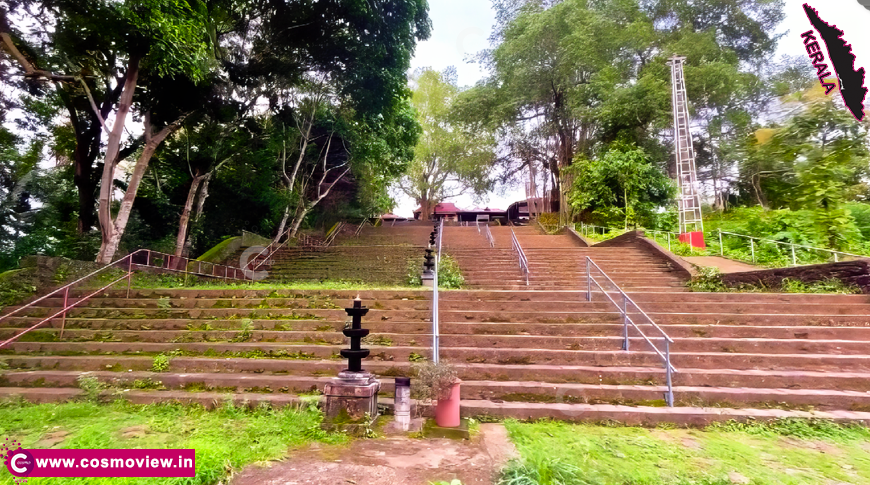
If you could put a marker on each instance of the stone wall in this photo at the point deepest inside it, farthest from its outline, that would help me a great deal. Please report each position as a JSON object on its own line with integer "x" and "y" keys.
{"x": 855, "y": 272}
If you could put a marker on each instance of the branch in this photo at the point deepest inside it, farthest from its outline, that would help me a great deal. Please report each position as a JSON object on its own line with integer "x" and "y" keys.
{"x": 29, "y": 70}
{"x": 94, "y": 106}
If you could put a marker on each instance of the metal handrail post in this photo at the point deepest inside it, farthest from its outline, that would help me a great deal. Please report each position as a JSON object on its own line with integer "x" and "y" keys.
{"x": 793, "y": 256}
{"x": 669, "y": 241}
{"x": 588, "y": 282}
{"x": 129, "y": 273}
{"x": 721, "y": 247}
{"x": 669, "y": 397}
{"x": 752, "y": 248}
{"x": 63, "y": 317}
{"x": 623, "y": 309}
{"x": 625, "y": 322}
{"x": 435, "y": 330}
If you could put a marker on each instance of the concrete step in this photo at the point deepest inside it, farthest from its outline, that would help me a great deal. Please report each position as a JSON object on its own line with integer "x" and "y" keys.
{"x": 209, "y": 400}
{"x": 641, "y": 357}
{"x": 644, "y": 415}
{"x": 511, "y": 391}
{"x": 766, "y": 344}
{"x": 554, "y": 374}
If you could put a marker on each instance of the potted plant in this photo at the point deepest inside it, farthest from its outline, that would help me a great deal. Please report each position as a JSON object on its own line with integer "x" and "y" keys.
{"x": 440, "y": 382}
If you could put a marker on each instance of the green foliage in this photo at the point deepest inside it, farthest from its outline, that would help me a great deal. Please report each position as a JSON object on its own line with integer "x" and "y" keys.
{"x": 541, "y": 470}
{"x": 433, "y": 381}
{"x": 548, "y": 218}
{"x": 450, "y": 157}
{"x": 806, "y": 429}
{"x": 621, "y": 180}
{"x": 15, "y": 287}
{"x": 816, "y": 161}
{"x": 782, "y": 451}
{"x": 160, "y": 363}
{"x": 832, "y": 285}
{"x": 449, "y": 275}
{"x": 708, "y": 280}
{"x": 91, "y": 386}
{"x": 246, "y": 332}
{"x": 227, "y": 439}
{"x": 414, "y": 269}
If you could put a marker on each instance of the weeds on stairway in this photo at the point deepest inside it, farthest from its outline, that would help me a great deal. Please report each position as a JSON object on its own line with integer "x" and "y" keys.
{"x": 226, "y": 439}
{"x": 91, "y": 387}
{"x": 709, "y": 279}
{"x": 832, "y": 285}
{"x": 247, "y": 331}
{"x": 160, "y": 363}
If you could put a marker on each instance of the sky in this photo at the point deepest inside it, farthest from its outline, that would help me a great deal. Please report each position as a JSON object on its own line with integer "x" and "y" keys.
{"x": 461, "y": 28}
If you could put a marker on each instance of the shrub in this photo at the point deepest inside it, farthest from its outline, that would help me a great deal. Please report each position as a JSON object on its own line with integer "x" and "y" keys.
{"x": 434, "y": 381}
{"x": 160, "y": 363}
{"x": 91, "y": 386}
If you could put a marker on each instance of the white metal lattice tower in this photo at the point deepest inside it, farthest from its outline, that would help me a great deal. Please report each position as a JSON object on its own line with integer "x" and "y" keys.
{"x": 689, "y": 203}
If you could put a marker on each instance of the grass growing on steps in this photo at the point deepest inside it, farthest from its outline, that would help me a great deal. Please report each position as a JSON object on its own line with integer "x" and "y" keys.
{"x": 710, "y": 280}
{"x": 787, "y": 452}
{"x": 225, "y": 439}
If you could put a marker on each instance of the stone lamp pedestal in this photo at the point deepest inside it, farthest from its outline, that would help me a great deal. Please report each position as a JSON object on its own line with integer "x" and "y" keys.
{"x": 352, "y": 397}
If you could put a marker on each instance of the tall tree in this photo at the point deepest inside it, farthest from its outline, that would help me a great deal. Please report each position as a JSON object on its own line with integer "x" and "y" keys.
{"x": 451, "y": 158}
{"x": 569, "y": 78}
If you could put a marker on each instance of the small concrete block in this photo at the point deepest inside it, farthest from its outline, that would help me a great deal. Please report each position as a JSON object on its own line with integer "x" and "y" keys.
{"x": 393, "y": 427}
{"x": 461, "y": 432}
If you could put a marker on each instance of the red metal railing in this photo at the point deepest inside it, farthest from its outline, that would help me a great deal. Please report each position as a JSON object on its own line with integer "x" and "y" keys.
{"x": 142, "y": 258}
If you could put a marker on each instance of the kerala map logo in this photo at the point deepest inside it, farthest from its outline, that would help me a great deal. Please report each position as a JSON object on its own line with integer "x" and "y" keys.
{"x": 849, "y": 79}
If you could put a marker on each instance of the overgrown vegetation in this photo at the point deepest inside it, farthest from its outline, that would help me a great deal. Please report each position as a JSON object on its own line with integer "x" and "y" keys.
{"x": 789, "y": 451}
{"x": 709, "y": 279}
{"x": 225, "y": 439}
{"x": 449, "y": 274}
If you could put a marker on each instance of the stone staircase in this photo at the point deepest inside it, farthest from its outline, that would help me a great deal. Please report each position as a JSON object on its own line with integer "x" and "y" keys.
{"x": 526, "y": 352}
{"x": 378, "y": 255}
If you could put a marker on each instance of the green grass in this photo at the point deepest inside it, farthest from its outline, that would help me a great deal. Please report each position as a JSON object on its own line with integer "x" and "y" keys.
{"x": 143, "y": 282}
{"x": 710, "y": 280}
{"x": 225, "y": 439}
{"x": 787, "y": 452}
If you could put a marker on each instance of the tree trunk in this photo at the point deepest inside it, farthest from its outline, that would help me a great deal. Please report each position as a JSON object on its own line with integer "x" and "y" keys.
{"x": 283, "y": 224}
{"x": 107, "y": 249}
{"x": 297, "y": 221}
{"x": 109, "y": 241}
{"x": 185, "y": 215}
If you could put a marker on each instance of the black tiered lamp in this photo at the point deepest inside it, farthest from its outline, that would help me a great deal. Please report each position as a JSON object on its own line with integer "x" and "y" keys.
{"x": 355, "y": 354}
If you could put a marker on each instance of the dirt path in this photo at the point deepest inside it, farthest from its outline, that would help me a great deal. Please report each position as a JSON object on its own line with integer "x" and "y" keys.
{"x": 391, "y": 461}
{"x": 725, "y": 265}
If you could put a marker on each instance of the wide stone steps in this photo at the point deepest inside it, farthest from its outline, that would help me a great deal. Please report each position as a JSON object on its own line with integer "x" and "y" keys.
{"x": 504, "y": 391}
{"x": 531, "y": 343}
{"x": 630, "y": 415}
{"x": 554, "y": 374}
{"x": 522, "y": 351}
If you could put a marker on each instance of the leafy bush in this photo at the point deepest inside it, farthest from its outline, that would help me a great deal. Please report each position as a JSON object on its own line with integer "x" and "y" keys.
{"x": 414, "y": 269}
{"x": 160, "y": 363}
{"x": 91, "y": 386}
{"x": 548, "y": 218}
{"x": 708, "y": 280}
{"x": 434, "y": 381}
{"x": 449, "y": 275}
{"x": 832, "y": 285}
